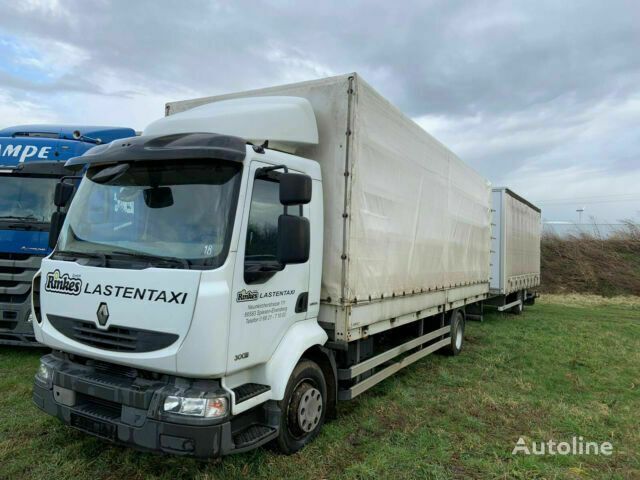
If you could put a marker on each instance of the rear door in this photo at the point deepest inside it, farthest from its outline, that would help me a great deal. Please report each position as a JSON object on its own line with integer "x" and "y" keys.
{"x": 263, "y": 304}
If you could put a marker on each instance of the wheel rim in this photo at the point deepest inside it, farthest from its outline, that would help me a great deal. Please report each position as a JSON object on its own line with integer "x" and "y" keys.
{"x": 458, "y": 337}
{"x": 309, "y": 409}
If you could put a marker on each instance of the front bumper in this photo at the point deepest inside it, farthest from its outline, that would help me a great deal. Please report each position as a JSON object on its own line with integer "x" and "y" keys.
{"x": 110, "y": 402}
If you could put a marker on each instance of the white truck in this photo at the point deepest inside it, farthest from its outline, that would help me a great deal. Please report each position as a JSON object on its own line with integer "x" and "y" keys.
{"x": 224, "y": 279}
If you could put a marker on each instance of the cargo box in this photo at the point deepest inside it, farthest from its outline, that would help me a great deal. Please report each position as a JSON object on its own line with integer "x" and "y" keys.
{"x": 407, "y": 223}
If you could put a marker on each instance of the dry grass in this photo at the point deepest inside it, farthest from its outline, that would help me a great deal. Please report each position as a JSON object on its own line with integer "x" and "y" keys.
{"x": 587, "y": 263}
{"x": 588, "y": 300}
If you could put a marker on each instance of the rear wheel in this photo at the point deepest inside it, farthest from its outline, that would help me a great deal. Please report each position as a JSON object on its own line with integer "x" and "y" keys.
{"x": 303, "y": 407}
{"x": 457, "y": 333}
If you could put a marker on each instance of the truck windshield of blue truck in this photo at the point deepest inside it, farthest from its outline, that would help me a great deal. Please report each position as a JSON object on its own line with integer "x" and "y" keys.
{"x": 26, "y": 198}
{"x": 181, "y": 210}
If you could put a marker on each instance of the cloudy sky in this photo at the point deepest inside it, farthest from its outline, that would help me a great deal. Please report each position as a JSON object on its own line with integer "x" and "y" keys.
{"x": 542, "y": 96}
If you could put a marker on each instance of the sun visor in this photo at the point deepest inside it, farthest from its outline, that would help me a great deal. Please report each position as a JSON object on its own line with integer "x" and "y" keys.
{"x": 165, "y": 147}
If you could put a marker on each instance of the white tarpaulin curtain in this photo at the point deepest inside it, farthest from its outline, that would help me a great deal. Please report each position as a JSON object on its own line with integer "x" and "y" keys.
{"x": 420, "y": 217}
{"x": 523, "y": 230}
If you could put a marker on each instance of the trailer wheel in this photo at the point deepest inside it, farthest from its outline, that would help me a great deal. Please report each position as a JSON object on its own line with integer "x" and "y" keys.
{"x": 530, "y": 300}
{"x": 517, "y": 310}
{"x": 457, "y": 333}
{"x": 303, "y": 407}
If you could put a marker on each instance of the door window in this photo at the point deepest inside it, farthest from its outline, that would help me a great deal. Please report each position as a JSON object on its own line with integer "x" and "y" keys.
{"x": 261, "y": 249}
{"x": 262, "y": 229}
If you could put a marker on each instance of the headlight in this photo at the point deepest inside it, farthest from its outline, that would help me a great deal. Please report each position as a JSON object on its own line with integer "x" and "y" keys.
{"x": 44, "y": 373}
{"x": 196, "y": 407}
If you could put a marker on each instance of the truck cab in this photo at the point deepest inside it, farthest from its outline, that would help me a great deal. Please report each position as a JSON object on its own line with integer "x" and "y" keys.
{"x": 32, "y": 159}
{"x": 193, "y": 260}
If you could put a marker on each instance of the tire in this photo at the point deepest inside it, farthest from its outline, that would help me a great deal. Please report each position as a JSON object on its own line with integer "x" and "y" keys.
{"x": 457, "y": 334}
{"x": 531, "y": 300}
{"x": 517, "y": 310}
{"x": 303, "y": 407}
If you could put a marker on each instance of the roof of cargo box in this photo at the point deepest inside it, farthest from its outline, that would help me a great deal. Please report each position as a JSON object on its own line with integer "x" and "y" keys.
{"x": 279, "y": 119}
{"x": 323, "y": 95}
{"x": 517, "y": 197}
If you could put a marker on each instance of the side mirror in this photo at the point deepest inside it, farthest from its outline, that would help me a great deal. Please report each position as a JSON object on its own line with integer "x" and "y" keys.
{"x": 63, "y": 194}
{"x": 293, "y": 239}
{"x": 295, "y": 189}
{"x": 158, "y": 197}
{"x": 57, "y": 220}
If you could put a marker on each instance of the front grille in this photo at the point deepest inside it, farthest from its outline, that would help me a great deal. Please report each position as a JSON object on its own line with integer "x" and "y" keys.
{"x": 98, "y": 407}
{"x": 11, "y": 298}
{"x": 115, "y": 338}
{"x": 14, "y": 256}
{"x": 115, "y": 370}
{"x": 8, "y": 320}
{"x": 12, "y": 270}
{"x": 16, "y": 272}
{"x": 8, "y": 324}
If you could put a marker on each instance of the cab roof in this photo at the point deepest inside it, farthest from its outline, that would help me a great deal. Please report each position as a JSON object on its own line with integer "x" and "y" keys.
{"x": 280, "y": 120}
{"x": 165, "y": 147}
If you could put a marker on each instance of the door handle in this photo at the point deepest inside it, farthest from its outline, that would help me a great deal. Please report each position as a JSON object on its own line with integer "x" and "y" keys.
{"x": 301, "y": 302}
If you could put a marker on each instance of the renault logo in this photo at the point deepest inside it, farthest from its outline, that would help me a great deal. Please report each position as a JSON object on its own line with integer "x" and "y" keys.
{"x": 103, "y": 314}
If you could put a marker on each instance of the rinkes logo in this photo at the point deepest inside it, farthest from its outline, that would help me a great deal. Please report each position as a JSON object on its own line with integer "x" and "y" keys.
{"x": 245, "y": 295}
{"x": 62, "y": 283}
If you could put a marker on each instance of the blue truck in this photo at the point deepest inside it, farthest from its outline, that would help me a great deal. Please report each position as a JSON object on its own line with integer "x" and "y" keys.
{"x": 32, "y": 159}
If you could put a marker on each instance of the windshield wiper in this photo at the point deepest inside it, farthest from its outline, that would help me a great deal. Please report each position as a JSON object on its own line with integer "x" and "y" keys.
{"x": 71, "y": 253}
{"x": 183, "y": 262}
{"x": 15, "y": 217}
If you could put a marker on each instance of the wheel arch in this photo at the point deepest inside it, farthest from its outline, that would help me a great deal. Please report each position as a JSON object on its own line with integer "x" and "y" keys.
{"x": 449, "y": 315}
{"x": 304, "y": 337}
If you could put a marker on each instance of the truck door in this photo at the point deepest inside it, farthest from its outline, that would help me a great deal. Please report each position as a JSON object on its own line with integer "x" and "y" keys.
{"x": 263, "y": 304}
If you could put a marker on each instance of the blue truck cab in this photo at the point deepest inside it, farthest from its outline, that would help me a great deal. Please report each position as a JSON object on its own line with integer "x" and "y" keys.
{"x": 32, "y": 159}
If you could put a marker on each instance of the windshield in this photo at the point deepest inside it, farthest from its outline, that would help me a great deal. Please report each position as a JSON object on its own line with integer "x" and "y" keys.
{"x": 27, "y": 198}
{"x": 178, "y": 209}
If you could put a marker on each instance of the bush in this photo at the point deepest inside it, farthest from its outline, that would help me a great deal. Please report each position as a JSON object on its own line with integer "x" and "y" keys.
{"x": 592, "y": 263}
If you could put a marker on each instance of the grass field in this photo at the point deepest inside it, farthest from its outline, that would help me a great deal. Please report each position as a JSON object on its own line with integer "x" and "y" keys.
{"x": 552, "y": 373}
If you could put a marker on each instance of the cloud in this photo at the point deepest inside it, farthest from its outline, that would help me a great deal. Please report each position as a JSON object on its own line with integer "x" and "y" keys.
{"x": 543, "y": 95}
{"x": 21, "y": 112}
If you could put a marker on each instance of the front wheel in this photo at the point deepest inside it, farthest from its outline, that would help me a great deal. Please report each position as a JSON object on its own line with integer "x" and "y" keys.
{"x": 303, "y": 407}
